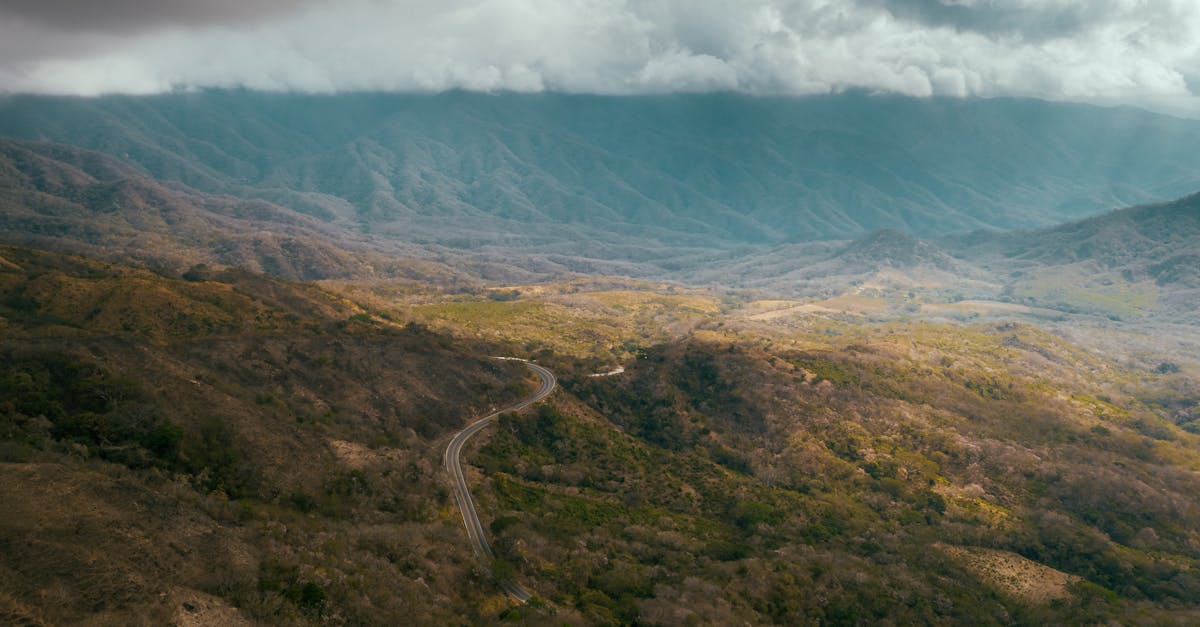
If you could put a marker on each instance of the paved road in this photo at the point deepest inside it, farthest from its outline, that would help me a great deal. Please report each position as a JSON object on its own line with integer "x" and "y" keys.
{"x": 462, "y": 496}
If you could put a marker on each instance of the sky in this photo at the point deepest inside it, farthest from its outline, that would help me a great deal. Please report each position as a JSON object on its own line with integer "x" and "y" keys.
{"x": 1139, "y": 52}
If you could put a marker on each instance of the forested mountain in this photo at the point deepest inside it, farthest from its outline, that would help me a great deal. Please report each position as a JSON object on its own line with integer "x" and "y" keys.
{"x": 140, "y": 414}
{"x": 1127, "y": 263}
{"x": 66, "y": 198}
{"x": 633, "y": 175}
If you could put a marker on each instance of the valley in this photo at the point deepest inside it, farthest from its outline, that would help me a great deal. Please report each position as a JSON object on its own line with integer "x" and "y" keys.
{"x": 865, "y": 360}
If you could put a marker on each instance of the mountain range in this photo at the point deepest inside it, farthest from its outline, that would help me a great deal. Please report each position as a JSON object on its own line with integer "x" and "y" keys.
{"x": 999, "y": 199}
{"x": 637, "y": 176}
{"x": 1126, "y": 263}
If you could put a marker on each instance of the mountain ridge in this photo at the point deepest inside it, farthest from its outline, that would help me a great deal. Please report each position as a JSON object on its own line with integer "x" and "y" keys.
{"x": 671, "y": 171}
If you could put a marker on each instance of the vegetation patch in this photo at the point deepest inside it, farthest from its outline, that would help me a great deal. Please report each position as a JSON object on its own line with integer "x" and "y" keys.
{"x": 1015, "y": 575}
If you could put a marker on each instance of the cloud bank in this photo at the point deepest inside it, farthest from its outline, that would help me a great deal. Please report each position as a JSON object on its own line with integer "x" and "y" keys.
{"x": 1112, "y": 51}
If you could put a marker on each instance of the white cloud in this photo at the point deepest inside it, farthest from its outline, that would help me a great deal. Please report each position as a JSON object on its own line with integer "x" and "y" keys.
{"x": 1139, "y": 51}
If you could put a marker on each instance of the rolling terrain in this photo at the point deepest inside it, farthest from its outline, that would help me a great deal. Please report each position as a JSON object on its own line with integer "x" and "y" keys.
{"x": 70, "y": 199}
{"x": 840, "y": 360}
{"x": 730, "y": 431}
{"x": 1130, "y": 264}
{"x": 275, "y": 449}
{"x": 692, "y": 473}
{"x": 1135, "y": 261}
{"x": 226, "y": 449}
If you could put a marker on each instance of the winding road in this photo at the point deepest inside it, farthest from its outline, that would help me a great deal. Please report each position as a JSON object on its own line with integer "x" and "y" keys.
{"x": 453, "y": 463}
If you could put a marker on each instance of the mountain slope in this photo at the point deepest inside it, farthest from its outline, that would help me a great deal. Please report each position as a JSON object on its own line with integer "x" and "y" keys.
{"x": 234, "y": 448}
{"x": 82, "y": 201}
{"x": 1144, "y": 235}
{"x": 637, "y": 174}
{"x": 1140, "y": 262}
{"x": 886, "y": 261}
{"x": 805, "y": 469}
{"x": 180, "y": 451}
{"x": 1130, "y": 262}
{"x": 76, "y": 200}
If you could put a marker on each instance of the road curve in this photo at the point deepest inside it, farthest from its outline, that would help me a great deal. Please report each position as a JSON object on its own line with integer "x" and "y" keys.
{"x": 453, "y": 463}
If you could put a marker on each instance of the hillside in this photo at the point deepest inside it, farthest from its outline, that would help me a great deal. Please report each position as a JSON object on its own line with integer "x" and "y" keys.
{"x": 231, "y": 447}
{"x": 1137, "y": 264}
{"x": 884, "y": 257}
{"x": 1146, "y": 234}
{"x": 70, "y": 199}
{"x": 752, "y": 469}
{"x": 179, "y": 450}
{"x": 641, "y": 178}
{"x": 81, "y": 201}
{"x": 468, "y": 188}
{"x": 863, "y": 420}
{"x": 1131, "y": 262}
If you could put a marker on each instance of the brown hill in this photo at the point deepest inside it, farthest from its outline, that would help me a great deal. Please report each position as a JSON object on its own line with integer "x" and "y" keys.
{"x": 76, "y": 200}
{"x": 182, "y": 447}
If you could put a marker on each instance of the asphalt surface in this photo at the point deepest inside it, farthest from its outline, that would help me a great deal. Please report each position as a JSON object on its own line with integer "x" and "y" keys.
{"x": 462, "y": 496}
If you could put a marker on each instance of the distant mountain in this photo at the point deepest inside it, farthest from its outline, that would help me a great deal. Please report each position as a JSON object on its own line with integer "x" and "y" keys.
{"x": 1141, "y": 262}
{"x": 892, "y": 249}
{"x": 1138, "y": 237}
{"x": 1126, "y": 262}
{"x": 640, "y": 179}
{"x": 68, "y": 199}
{"x": 805, "y": 196}
{"x": 886, "y": 260}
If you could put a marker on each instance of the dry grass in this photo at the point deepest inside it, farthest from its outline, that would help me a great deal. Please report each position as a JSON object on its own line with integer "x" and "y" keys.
{"x": 1014, "y": 575}
{"x": 194, "y": 608}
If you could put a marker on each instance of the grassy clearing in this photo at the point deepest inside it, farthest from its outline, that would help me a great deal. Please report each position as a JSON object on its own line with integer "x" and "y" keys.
{"x": 1074, "y": 288}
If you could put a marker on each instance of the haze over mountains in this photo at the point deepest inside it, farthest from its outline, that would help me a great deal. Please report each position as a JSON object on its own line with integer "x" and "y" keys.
{"x": 636, "y": 177}
{"x": 715, "y": 188}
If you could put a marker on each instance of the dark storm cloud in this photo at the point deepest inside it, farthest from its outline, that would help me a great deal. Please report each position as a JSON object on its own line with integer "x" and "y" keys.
{"x": 121, "y": 16}
{"x": 1034, "y": 23}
